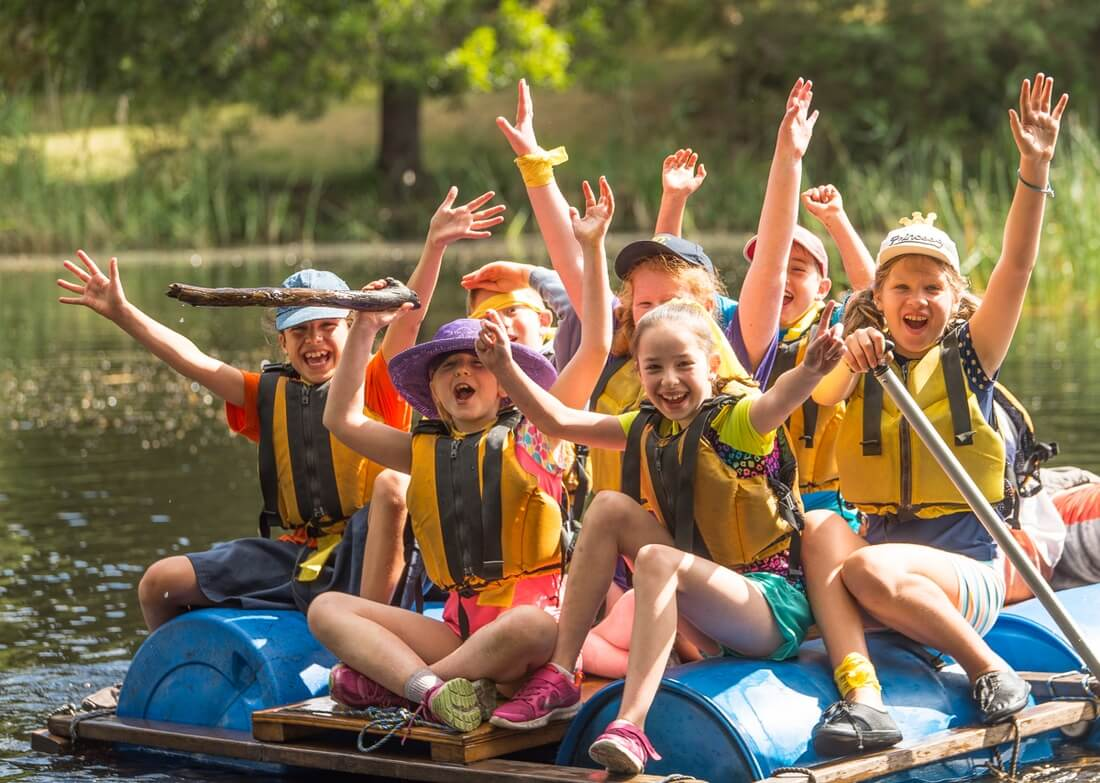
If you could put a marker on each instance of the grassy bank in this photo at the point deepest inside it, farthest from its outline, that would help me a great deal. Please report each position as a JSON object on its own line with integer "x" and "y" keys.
{"x": 228, "y": 178}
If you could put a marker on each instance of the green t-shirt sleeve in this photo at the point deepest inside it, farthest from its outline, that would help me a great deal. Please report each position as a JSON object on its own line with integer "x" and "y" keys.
{"x": 735, "y": 430}
{"x": 626, "y": 420}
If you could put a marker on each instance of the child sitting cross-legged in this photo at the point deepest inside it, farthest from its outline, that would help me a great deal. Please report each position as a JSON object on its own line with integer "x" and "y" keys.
{"x": 484, "y": 503}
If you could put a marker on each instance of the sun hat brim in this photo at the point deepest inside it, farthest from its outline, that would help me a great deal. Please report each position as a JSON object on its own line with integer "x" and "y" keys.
{"x": 409, "y": 369}
{"x": 294, "y": 316}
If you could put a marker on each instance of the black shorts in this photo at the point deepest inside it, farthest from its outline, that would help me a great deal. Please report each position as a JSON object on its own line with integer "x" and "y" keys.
{"x": 258, "y": 573}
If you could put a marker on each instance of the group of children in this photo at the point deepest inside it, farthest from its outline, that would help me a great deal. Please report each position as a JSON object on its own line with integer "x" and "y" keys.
{"x": 727, "y": 448}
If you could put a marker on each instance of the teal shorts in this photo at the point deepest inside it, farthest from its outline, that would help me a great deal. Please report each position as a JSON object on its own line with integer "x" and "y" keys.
{"x": 791, "y": 610}
{"x": 831, "y": 500}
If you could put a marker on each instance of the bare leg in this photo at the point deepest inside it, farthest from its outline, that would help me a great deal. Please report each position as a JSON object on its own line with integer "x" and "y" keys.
{"x": 827, "y": 541}
{"x": 383, "y": 642}
{"x": 613, "y": 525}
{"x": 168, "y": 588}
{"x": 607, "y": 645}
{"x": 505, "y": 650}
{"x": 384, "y": 555}
{"x": 718, "y": 602}
{"x": 914, "y": 589}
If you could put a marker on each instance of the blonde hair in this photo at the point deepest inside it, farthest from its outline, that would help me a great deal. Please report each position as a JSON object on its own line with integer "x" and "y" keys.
{"x": 702, "y": 285}
{"x": 688, "y": 315}
{"x": 861, "y": 311}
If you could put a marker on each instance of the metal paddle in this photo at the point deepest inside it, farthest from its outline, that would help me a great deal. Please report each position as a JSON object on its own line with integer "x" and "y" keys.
{"x": 988, "y": 517}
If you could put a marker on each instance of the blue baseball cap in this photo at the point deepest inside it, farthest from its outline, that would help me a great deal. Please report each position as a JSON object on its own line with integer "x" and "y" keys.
{"x": 661, "y": 245}
{"x": 317, "y": 279}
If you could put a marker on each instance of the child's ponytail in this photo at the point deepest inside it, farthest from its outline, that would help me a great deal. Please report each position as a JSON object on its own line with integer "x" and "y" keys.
{"x": 860, "y": 312}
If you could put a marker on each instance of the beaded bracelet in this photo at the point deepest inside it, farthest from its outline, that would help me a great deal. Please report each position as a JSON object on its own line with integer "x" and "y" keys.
{"x": 1047, "y": 191}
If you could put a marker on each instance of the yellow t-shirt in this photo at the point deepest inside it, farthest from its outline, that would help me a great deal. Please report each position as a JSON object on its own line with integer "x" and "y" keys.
{"x": 732, "y": 425}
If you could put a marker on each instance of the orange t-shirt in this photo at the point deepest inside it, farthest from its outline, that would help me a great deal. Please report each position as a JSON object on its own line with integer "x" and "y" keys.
{"x": 383, "y": 403}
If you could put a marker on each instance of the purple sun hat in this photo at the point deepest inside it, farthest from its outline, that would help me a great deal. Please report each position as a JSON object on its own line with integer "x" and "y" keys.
{"x": 409, "y": 369}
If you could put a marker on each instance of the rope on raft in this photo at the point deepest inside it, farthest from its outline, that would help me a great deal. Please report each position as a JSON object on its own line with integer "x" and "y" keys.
{"x": 391, "y": 720}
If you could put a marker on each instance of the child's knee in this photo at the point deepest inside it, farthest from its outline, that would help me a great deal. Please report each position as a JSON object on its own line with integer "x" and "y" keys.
{"x": 172, "y": 576}
{"x": 609, "y": 511}
{"x": 529, "y": 624}
{"x": 321, "y": 611}
{"x": 867, "y": 576}
{"x": 656, "y": 561}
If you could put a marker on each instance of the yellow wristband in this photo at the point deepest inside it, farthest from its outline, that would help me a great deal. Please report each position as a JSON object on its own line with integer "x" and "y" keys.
{"x": 537, "y": 168}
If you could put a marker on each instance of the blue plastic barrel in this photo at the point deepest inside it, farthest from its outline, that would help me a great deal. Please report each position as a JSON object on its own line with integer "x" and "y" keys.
{"x": 213, "y": 667}
{"x": 736, "y": 719}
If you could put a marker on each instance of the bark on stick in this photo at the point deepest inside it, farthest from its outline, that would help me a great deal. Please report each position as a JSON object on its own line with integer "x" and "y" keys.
{"x": 391, "y": 297}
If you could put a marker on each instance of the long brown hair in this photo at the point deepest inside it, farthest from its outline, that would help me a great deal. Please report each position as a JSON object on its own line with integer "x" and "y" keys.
{"x": 702, "y": 284}
{"x": 861, "y": 311}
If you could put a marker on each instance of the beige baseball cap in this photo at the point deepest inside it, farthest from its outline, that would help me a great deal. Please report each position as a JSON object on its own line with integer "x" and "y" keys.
{"x": 917, "y": 235}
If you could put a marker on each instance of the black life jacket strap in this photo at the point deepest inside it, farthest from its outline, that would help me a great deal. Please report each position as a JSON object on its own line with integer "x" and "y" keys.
{"x": 790, "y": 511}
{"x": 786, "y": 356}
{"x": 492, "y": 557}
{"x": 269, "y": 476}
{"x": 631, "y": 478}
{"x": 683, "y": 521}
{"x": 447, "y": 504}
{"x": 809, "y": 422}
{"x": 331, "y": 508}
{"x": 951, "y": 361}
{"x": 872, "y": 416}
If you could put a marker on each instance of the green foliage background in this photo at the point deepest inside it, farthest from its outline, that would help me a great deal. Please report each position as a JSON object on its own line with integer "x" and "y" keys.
{"x": 913, "y": 95}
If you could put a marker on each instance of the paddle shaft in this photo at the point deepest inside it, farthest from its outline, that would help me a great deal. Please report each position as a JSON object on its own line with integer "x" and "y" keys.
{"x": 986, "y": 515}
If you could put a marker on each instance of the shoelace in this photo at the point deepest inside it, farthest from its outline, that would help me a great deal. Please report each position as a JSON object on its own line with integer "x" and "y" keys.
{"x": 534, "y": 691}
{"x": 843, "y": 709}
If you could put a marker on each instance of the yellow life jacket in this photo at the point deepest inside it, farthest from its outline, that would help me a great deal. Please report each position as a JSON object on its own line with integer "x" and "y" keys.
{"x": 618, "y": 391}
{"x": 812, "y": 429}
{"x": 884, "y": 466}
{"x": 710, "y": 510}
{"x": 307, "y": 476}
{"x": 481, "y": 519}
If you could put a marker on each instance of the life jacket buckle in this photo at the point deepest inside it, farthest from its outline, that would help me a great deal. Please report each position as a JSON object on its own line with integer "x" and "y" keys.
{"x": 964, "y": 438}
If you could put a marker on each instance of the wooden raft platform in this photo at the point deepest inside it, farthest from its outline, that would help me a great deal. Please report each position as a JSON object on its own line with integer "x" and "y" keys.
{"x": 315, "y": 716}
{"x": 321, "y": 754}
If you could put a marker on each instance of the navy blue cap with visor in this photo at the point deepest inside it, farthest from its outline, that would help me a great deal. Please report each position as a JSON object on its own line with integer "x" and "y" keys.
{"x": 661, "y": 245}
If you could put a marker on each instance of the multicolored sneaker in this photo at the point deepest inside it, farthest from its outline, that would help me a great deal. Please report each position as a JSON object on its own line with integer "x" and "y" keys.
{"x": 546, "y": 696}
{"x": 623, "y": 748}
{"x": 455, "y": 703}
{"x": 358, "y": 691}
{"x": 486, "y": 692}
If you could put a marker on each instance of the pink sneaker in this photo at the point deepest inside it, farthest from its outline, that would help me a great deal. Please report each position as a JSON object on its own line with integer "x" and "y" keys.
{"x": 358, "y": 691}
{"x": 623, "y": 748}
{"x": 547, "y": 695}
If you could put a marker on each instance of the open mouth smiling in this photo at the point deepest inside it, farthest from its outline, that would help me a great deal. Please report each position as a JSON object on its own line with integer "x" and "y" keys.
{"x": 316, "y": 358}
{"x": 463, "y": 392}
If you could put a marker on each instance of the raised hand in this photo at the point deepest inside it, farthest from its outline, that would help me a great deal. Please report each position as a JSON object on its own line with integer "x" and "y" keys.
{"x": 521, "y": 136}
{"x": 865, "y": 349}
{"x": 826, "y": 349}
{"x": 96, "y": 291}
{"x": 679, "y": 176}
{"x": 373, "y": 321}
{"x": 592, "y": 228}
{"x": 1036, "y": 127}
{"x": 499, "y": 276}
{"x": 823, "y": 202}
{"x": 798, "y": 123}
{"x": 493, "y": 347}
{"x": 450, "y": 224}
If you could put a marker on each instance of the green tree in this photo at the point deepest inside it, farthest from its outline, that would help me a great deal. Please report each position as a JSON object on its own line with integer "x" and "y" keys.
{"x": 287, "y": 55}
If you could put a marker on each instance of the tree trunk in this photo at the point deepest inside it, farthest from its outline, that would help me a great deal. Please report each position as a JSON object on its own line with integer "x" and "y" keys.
{"x": 399, "y": 151}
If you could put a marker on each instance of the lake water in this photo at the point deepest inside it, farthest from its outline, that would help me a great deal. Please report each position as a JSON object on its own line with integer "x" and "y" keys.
{"x": 110, "y": 461}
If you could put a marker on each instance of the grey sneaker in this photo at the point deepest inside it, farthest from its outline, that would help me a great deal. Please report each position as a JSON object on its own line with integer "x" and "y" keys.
{"x": 1000, "y": 695}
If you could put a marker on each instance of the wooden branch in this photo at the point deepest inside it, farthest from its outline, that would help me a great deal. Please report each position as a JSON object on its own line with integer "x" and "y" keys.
{"x": 391, "y": 297}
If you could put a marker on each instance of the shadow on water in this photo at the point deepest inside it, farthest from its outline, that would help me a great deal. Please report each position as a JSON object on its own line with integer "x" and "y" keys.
{"x": 110, "y": 461}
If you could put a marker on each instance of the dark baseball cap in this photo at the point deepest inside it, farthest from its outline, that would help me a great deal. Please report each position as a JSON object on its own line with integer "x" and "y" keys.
{"x": 661, "y": 245}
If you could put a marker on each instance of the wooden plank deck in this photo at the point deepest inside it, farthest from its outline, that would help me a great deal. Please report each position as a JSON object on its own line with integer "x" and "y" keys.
{"x": 955, "y": 742}
{"x": 327, "y": 753}
{"x": 315, "y": 716}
